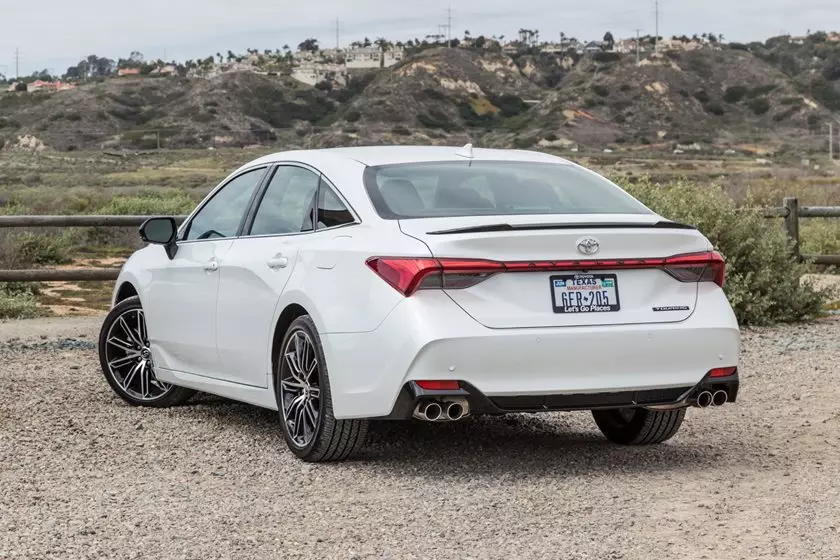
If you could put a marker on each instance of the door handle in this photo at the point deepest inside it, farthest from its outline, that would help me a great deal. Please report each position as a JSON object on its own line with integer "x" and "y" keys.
{"x": 278, "y": 261}
{"x": 211, "y": 266}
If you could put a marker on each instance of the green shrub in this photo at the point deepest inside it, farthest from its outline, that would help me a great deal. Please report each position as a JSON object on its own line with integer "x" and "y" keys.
{"x": 601, "y": 90}
{"x": 509, "y": 105}
{"x": 701, "y": 96}
{"x": 17, "y": 301}
{"x": 735, "y": 94}
{"x": 763, "y": 279}
{"x": 606, "y": 57}
{"x": 172, "y": 202}
{"x": 759, "y": 105}
{"x": 32, "y": 248}
{"x": 714, "y": 108}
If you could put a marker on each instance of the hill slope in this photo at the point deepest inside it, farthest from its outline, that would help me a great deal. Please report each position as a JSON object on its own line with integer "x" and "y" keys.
{"x": 778, "y": 94}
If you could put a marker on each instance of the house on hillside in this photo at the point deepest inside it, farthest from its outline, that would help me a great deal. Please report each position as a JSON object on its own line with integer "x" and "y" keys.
{"x": 594, "y": 47}
{"x": 128, "y": 72}
{"x": 628, "y": 46}
{"x": 167, "y": 70}
{"x": 373, "y": 57}
{"x": 511, "y": 48}
{"x": 833, "y": 37}
{"x": 553, "y": 48}
{"x": 311, "y": 73}
{"x": 41, "y": 85}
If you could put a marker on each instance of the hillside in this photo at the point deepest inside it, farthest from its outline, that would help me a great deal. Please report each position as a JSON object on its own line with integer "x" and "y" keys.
{"x": 778, "y": 93}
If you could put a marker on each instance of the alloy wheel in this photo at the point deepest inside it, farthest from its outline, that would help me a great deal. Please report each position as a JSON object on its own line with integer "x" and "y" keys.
{"x": 129, "y": 357}
{"x": 300, "y": 391}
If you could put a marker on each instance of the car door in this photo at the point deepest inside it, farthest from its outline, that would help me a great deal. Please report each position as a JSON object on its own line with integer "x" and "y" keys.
{"x": 260, "y": 264}
{"x": 181, "y": 300}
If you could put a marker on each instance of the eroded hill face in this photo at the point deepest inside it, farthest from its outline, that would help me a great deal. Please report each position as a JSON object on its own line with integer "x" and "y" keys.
{"x": 779, "y": 94}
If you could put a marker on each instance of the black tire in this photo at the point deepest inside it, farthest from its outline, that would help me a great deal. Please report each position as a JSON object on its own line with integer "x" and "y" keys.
{"x": 639, "y": 426}
{"x": 331, "y": 439}
{"x": 164, "y": 394}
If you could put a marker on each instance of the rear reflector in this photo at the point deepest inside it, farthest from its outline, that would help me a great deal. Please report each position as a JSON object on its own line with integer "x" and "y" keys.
{"x": 438, "y": 385}
{"x": 723, "y": 372}
{"x": 409, "y": 274}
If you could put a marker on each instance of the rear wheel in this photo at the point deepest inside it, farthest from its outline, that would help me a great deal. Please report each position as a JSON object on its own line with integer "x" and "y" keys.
{"x": 126, "y": 359}
{"x": 304, "y": 400}
{"x": 639, "y": 426}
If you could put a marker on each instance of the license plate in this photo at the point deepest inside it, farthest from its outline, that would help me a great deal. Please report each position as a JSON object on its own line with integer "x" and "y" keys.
{"x": 585, "y": 293}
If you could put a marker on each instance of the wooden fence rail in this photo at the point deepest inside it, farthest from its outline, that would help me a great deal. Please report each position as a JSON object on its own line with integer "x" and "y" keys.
{"x": 791, "y": 212}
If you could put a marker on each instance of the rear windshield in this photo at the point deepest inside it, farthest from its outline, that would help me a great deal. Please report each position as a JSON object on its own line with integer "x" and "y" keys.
{"x": 486, "y": 188}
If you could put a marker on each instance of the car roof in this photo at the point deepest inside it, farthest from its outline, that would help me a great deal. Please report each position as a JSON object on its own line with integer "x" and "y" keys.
{"x": 385, "y": 155}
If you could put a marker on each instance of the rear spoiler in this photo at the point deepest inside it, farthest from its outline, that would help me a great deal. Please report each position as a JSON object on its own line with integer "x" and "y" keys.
{"x": 531, "y": 227}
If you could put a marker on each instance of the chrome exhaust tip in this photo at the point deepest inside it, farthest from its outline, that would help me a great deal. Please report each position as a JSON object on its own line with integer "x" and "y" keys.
{"x": 455, "y": 411}
{"x": 432, "y": 412}
{"x": 719, "y": 398}
{"x": 704, "y": 399}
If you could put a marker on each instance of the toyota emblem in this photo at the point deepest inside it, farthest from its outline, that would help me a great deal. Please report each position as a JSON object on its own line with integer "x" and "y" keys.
{"x": 588, "y": 246}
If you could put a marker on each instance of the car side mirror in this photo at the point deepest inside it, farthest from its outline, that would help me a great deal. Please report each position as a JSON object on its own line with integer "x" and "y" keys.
{"x": 161, "y": 231}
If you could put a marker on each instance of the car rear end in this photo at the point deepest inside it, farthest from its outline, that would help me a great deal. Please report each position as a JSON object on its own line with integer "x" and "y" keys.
{"x": 536, "y": 286}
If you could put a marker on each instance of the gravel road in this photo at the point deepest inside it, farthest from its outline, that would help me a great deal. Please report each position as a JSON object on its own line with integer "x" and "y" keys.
{"x": 83, "y": 475}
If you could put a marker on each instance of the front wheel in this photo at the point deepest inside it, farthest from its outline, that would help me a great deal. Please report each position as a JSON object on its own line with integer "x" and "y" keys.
{"x": 639, "y": 426}
{"x": 126, "y": 359}
{"x": 302, "y": 389}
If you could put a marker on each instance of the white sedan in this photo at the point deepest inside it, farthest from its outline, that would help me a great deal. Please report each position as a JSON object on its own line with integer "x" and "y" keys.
{"x": 338, "y": 286}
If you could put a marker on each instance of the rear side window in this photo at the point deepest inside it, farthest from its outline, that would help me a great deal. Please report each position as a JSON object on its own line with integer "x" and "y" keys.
{"x": 441, "y": 189}
{"x": 331, "y": 210}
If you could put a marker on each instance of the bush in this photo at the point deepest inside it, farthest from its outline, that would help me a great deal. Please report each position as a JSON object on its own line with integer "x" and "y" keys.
{"x": 606, "y": 57}
{"x": 32, "y": 248}
{"x": 735, "y": 94}
{"x": 701, "y": 96}
{"x": 172, "y": 202}
{"x": 759, "y": 106}
{"x": 600, "y": 90}
{"x": 509, "y": 105}
{"x": 714, "y": 108}
{"x": 763, "y": 279}
{"x": 17, "y": 301}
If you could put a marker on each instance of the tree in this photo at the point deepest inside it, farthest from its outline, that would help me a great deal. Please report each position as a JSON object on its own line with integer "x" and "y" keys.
{"x": 366, "y": 42}
{"x": 466, "y": 34}
{"x": 20, "y": 86}
{"x": 230, "y": 56}
{"x": 308, "y": 45}
{"x": 609, "y": 40}
{"x": 219, "y": 56}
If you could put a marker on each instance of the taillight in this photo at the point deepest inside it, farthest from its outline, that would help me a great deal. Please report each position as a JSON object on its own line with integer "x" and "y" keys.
{"x": 723, "y": 372}
{"x": 700, "y": 267}
{"x": 409, "y": 274}
{"x": 438, "y": 385}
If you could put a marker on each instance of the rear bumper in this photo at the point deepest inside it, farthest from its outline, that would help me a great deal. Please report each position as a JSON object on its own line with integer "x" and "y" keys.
{"x": 427, "y": 336}
{"x": 412, "y": 395}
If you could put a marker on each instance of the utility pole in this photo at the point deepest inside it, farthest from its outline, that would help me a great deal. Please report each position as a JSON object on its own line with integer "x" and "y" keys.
{"x": 449, "y": 27}
{"x": 656, "y": 39}
{"x": 17, "y": 64}
{"x": 336, "y": 33}
{"x": 830, "y": 141}
{"x": 638, "y": 47}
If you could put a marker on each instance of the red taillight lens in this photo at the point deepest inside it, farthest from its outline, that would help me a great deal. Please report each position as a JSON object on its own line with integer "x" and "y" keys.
{"x": 700, "y": 267}
{"x": 438, "y": 385}
{"x": 723, "y": 372}
{"x": 408, "y": 275}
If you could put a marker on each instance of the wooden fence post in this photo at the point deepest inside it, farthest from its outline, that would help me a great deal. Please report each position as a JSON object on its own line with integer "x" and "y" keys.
{"x": 792, "y": 222}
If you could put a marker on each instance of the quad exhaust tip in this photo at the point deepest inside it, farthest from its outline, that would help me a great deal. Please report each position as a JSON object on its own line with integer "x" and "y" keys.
{"x": 705, "y": 399}
{"x": 432, "y": 411}
{"x": 719, "y": 398}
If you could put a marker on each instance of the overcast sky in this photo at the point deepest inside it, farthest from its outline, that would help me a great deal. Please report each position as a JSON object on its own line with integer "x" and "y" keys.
{"x": 54, "y": 34}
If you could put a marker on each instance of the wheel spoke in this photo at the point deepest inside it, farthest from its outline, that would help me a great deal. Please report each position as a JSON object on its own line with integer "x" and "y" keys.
{"x": 294, "y": 368}
{"x": 315, "y": 392}
{"x": 130, "y": 332}
{"x": 144, "y": 379}
{"x": 119, "y": 362}
{"x": 141, "y": 327}
{"x": 311, "y": 413}
{"x": 122, "y": 344}
{"x": 299, "y": 421}
{"x": 131, "y": 375}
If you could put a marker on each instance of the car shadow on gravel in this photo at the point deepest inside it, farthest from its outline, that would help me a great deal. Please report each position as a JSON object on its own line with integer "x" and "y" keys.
{"x": 545, "y": 444}
{"x": 548, "y": 444}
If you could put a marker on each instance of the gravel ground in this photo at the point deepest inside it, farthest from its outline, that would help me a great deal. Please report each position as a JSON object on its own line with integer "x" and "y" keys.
{"x": 83, "y": 475}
